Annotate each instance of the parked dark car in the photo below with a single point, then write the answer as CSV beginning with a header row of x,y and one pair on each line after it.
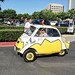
x,y
35,22
62,23
46,22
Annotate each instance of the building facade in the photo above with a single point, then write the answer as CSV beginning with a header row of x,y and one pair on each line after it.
x,y
56,8
71,4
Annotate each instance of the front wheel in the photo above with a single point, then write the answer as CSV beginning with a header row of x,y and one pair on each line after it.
x,y
62,53
29,56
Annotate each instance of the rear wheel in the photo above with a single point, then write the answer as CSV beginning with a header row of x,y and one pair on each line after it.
x,y
62,53
29,56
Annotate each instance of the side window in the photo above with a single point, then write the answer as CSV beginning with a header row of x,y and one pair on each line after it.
x,y
30,30
53,32
42,33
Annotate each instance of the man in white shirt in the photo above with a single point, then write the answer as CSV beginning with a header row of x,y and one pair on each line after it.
x,y
28,23
27,26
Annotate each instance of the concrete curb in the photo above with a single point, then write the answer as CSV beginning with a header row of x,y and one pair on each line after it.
x,y
6,44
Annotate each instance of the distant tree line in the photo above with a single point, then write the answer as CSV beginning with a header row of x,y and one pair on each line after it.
x,y
43,14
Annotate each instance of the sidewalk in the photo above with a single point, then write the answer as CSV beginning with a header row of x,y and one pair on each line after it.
x,y
70,38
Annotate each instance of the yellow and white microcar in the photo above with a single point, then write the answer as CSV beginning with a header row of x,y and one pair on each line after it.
x,y
41,40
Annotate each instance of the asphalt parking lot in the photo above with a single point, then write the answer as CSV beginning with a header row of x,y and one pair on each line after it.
x,y
12,64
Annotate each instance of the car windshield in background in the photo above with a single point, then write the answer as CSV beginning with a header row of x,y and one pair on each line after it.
x,y
62,23
30,30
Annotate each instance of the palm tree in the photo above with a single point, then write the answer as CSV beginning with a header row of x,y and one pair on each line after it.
x,y
1,0
0,4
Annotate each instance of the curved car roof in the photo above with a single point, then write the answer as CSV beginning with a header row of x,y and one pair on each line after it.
x,y
43,26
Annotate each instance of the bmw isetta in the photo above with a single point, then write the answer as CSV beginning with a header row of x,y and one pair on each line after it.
x,y
41,40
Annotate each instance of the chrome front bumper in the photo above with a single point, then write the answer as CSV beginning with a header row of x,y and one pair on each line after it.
x,y
16,49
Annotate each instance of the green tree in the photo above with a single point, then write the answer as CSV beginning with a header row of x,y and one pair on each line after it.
x,y
71,13
44,14
26,15
36,15
9,13
19,16
63,15
1,14
47,14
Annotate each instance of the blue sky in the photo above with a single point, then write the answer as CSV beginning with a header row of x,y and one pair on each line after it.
x,y
29,6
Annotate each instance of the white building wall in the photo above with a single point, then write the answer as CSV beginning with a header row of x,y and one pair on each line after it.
x,y
56,8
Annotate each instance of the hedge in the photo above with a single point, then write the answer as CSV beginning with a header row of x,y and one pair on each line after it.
x,y
6,36
63,30
12,33
11,27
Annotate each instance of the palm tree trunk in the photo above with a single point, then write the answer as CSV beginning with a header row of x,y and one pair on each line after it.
x,y
1,0
0,4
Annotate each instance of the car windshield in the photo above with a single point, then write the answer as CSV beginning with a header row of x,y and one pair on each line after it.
x,y
30,30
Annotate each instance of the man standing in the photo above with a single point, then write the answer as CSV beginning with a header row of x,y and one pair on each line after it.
x,y
28,23
22,21
27,26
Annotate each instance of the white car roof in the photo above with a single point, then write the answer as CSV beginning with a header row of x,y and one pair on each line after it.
x,y
43,26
